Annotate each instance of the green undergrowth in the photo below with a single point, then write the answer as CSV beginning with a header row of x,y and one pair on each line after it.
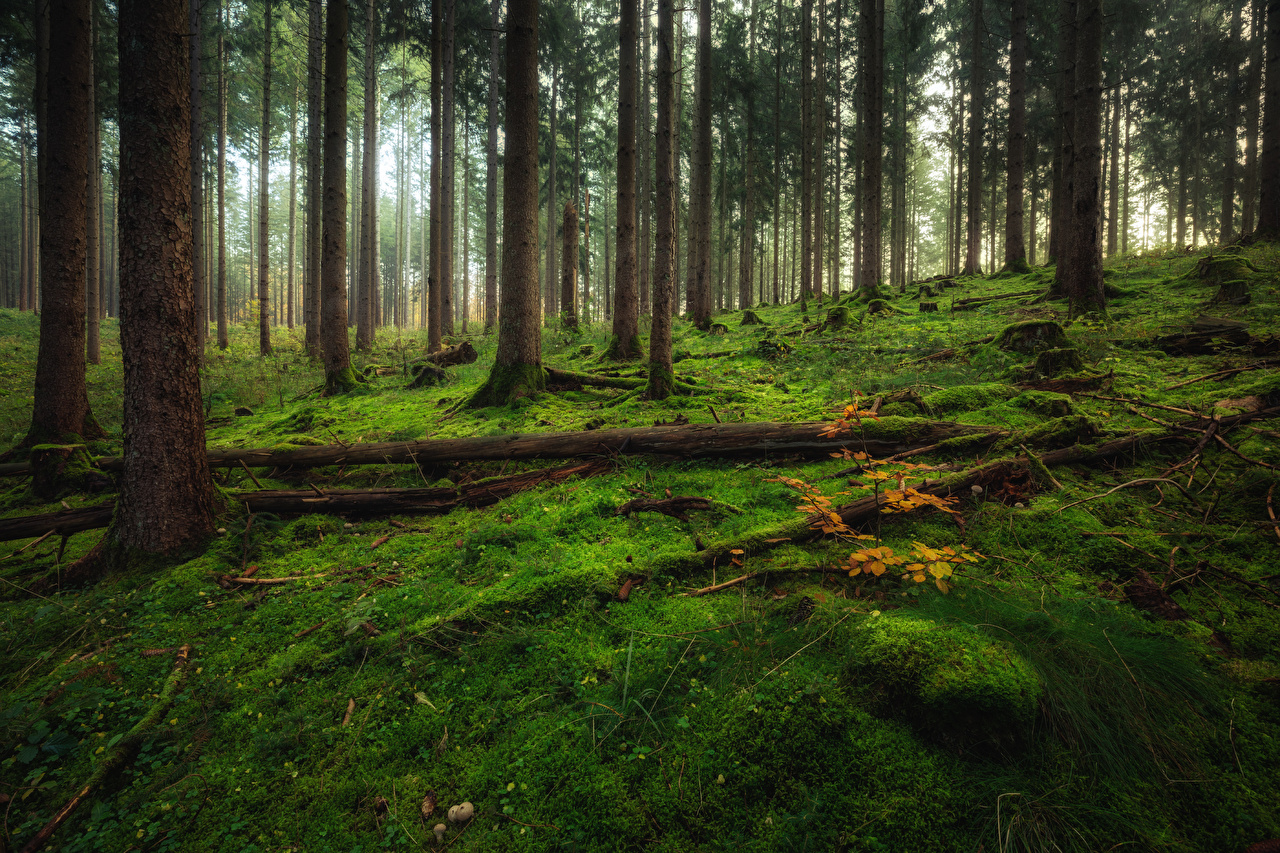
x,y
485,655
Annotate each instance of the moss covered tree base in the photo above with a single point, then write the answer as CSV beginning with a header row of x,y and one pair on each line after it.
x,y
619,350
57,469
1032,336
507,383
342,381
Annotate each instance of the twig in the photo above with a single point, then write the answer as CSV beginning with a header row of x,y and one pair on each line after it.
x,y
719,586
380,540
305,631
713,412
1271,512
316,490
1143,481
351,707
1143,403
244,556
1222,374
32,544
250,473
799,650
1257,462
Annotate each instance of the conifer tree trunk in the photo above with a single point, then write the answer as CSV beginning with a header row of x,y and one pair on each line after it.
x,y
1124,201
367,267
818,125
1015,253
1064,169
338,375
806,149
645,181
1035,197
745,273
698,282
1226,228
872,24
224,339
1269,164
447,167
434,299
973,245
661,377
264,151
549,278
625,343
466,230
1082,278
1113,193
315,167
197,193
491,179
166,492
1253,102
569,269
93,348
24,215
517,369
777,142
61,402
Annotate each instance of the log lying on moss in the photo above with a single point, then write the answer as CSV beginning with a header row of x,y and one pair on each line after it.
x,y
976,301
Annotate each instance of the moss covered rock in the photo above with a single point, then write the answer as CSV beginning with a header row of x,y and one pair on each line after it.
x,y
1032,336
949,681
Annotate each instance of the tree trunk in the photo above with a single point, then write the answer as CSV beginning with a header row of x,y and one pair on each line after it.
x,y
338,376
24,211
315,167
466,230
549,278
1231,143
1124,201
698,283
1269,167
166,494
1015,253
434,300
973,246
1253,101
447,110
43,140
645,185
264,183
367,267
1082,281
1060,228
661,377
224,339
806,147
777,144
872,21
569,269
517,369
818,125
290,240
1113,192
625,343
93,348
61,402
197,195
491,179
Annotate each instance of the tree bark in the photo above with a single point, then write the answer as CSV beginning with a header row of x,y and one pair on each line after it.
x,y
264,183
315,172
569,269
166,494
973,246
491,179
434,300
1253,100
367,266
517,369
872,21
93,347
806,148
61,402
549,278
338,376
1231,143
291,238
224,338
197,195
447,110
645,180
1082,277
661,377
625,343
1015,252
698,284
1059,230
1113,192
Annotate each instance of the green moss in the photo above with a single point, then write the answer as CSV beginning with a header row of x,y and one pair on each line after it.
x,y
1060,432
1032,336
1044,403
968,398
508,384
341,382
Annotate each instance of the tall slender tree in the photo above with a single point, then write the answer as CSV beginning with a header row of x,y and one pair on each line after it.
x,y
197,177
447,133
1015,252
872,56
338,375
517,369
1082,273
315,170
434,301
973,218
264,184
491,178
166,493
661,379
224,337
93,347
625,343
1269,164
698,284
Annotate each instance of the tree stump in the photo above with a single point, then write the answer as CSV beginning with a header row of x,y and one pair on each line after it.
x,y
1053,362
838,317
1232,293
1032,336
57,469
428,375
718,329
925,291
926,307
586,350
751,318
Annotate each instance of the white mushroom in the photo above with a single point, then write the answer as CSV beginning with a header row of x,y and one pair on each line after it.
x,y
977,490
461,813
440,829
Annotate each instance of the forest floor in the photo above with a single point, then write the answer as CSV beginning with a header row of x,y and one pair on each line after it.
x,y
1093,665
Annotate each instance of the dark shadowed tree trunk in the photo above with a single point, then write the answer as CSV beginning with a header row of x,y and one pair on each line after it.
x,y
432,315
549,293
291,238
264,184
973,218
93,294
661,377
645,180
517,369
1269,167
1065,155
367,266
61,405
1081,275
1113,191
625,343
569,268
166,494
447,170
806,149
698,284
872,26
1253,101
224,339
1231,143
1015,251
338,375
491,178
197,182
315,169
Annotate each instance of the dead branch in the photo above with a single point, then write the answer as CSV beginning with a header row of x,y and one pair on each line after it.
x,y
678,508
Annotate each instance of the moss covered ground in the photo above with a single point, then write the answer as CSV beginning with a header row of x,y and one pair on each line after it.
x,y
490,656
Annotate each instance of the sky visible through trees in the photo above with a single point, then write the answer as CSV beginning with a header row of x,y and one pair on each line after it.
x,y
1179,140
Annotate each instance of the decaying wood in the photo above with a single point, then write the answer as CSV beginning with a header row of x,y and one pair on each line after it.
x,y
719,586
463,353
975,301
1223,374
678,507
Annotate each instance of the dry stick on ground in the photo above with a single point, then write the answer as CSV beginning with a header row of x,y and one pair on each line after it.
x,y
1141,481
678,507
1142,403
122,753
1257,462
1222,374
1275,527
725,585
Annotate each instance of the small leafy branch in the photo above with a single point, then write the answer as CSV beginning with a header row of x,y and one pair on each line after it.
x,y
920,564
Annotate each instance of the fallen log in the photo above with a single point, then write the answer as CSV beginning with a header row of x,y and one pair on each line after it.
x,y
351,502
976,301
677,507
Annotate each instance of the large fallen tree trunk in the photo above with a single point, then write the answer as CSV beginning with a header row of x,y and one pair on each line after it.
x,y
975,301
885,438
354,502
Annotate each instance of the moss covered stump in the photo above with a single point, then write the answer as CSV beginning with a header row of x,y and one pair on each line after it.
x,y
1054,362
58,469
1032,336
751,318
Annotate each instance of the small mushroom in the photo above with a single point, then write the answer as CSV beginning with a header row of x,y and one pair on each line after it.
x,y
440,829
461,813
977,490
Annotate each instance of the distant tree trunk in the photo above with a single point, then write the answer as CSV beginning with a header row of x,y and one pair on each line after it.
x,y
24,209
1082,281
569,269
1113,192
41,99
645,141
93,348
872,20
224,339
1253,101
549,291
166,493
1035,197
661,377
1269,168
517,369
1183,169
818,126
367,267
61,402
264,183
698,283
491,179
777,144
973,246
338,375
1231,142
434,298
1065,156
1124,201
315,166
290,242
1015,253
625,343
447,110
806,147
466,230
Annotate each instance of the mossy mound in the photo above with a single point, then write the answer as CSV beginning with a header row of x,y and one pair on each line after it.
x,y
60,469
950,682
1032,336
751,318
1052,363
1061,432
968,398
1045,403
